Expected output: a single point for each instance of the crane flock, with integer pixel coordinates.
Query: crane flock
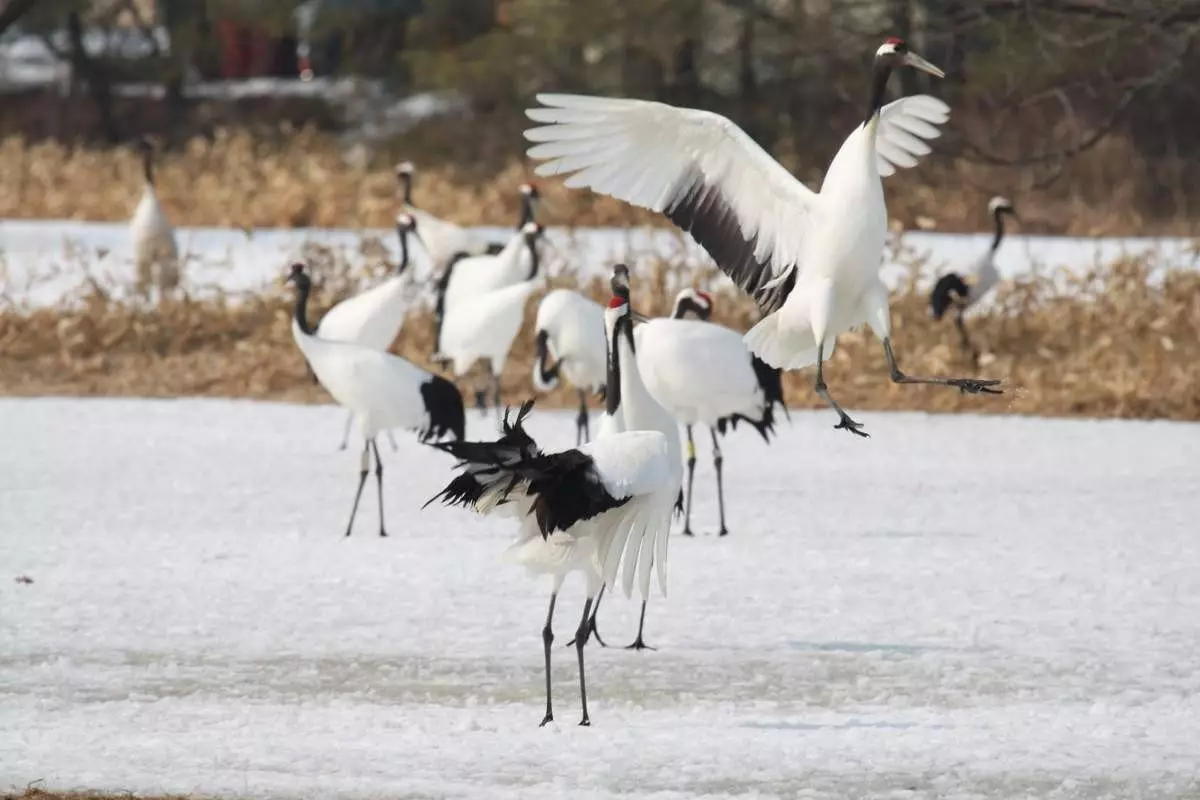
(604, 508)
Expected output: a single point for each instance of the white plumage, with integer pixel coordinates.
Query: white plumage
(483, 327)
(570, 330)
(155, 253)
(443, 239)
(476, 275)
(965, 291)
(592, 508)
(702, 373)
(811, 260)
(383, 391)
(373, 318)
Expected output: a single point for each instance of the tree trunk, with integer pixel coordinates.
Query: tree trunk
(13, 10)
(95, 74)
(901, 19)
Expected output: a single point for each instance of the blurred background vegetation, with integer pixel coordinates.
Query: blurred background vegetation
(1086, 109)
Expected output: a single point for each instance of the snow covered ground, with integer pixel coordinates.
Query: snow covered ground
(959, 607)
(49, 262)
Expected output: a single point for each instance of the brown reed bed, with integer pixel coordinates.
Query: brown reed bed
(299, 177)
(1119, 342)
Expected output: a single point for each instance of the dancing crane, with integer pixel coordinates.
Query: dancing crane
(809, 259)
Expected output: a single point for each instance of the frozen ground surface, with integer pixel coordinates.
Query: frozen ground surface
(48, 262)
(958, 607)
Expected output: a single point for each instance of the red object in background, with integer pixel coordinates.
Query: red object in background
(245, 53)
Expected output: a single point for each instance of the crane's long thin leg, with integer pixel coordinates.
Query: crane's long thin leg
(639, 643)
(581, 637)
(392, 439)
(547, 640)
(481, 400)
(581, 422)
(960, 323)
(495, 391)
(964, 385)
(379, 481)
(346, 430)
(846, 422)
(592, 625)
(691, 468)
(718, 460)
(364, 466)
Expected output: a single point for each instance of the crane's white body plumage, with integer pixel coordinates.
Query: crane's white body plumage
(372, 318)
(482, 274)
(155, 252)
(444, 239)
(574, 327)
(484, 327)
(698, 371)
(810, 259)
(631, 466)
(382, 390)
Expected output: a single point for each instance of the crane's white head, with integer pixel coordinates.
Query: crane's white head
(1001, 205)
(406, 223)
(894, 52)
(532, 230)
(530, 190)
(405, 168)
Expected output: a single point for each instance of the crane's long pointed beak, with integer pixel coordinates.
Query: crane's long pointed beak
(916, 62)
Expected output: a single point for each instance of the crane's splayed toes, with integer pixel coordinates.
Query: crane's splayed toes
(639, 644)
(976, 385)
(850, 425)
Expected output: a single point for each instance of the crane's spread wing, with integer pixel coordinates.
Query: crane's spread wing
(705, 173)
(903, 128)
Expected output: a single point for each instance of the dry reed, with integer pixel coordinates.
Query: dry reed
(1121, 342)
(302, 177)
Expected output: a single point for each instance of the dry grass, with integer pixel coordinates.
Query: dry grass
(1119, 343)
(303, 177)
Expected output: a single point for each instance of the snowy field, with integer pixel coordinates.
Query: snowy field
(959, 607)
(49, 262)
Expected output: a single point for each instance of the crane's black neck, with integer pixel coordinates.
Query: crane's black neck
(999, 217)
(688, 305)
(403, 265)
(406, 187)
(526, 211)
(303, 287)
(880, 74)
(612, 386)
(531, 242)
(148, 166)
(546, 374)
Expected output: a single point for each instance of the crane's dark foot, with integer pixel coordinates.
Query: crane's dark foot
(852, 426)
(585, 722)
(342, 446)
(546, 720)
(688, 532)
(723, 532)
(976, 386)
(638, 644)
(347, 535)
(592, 634)
(382, 534)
